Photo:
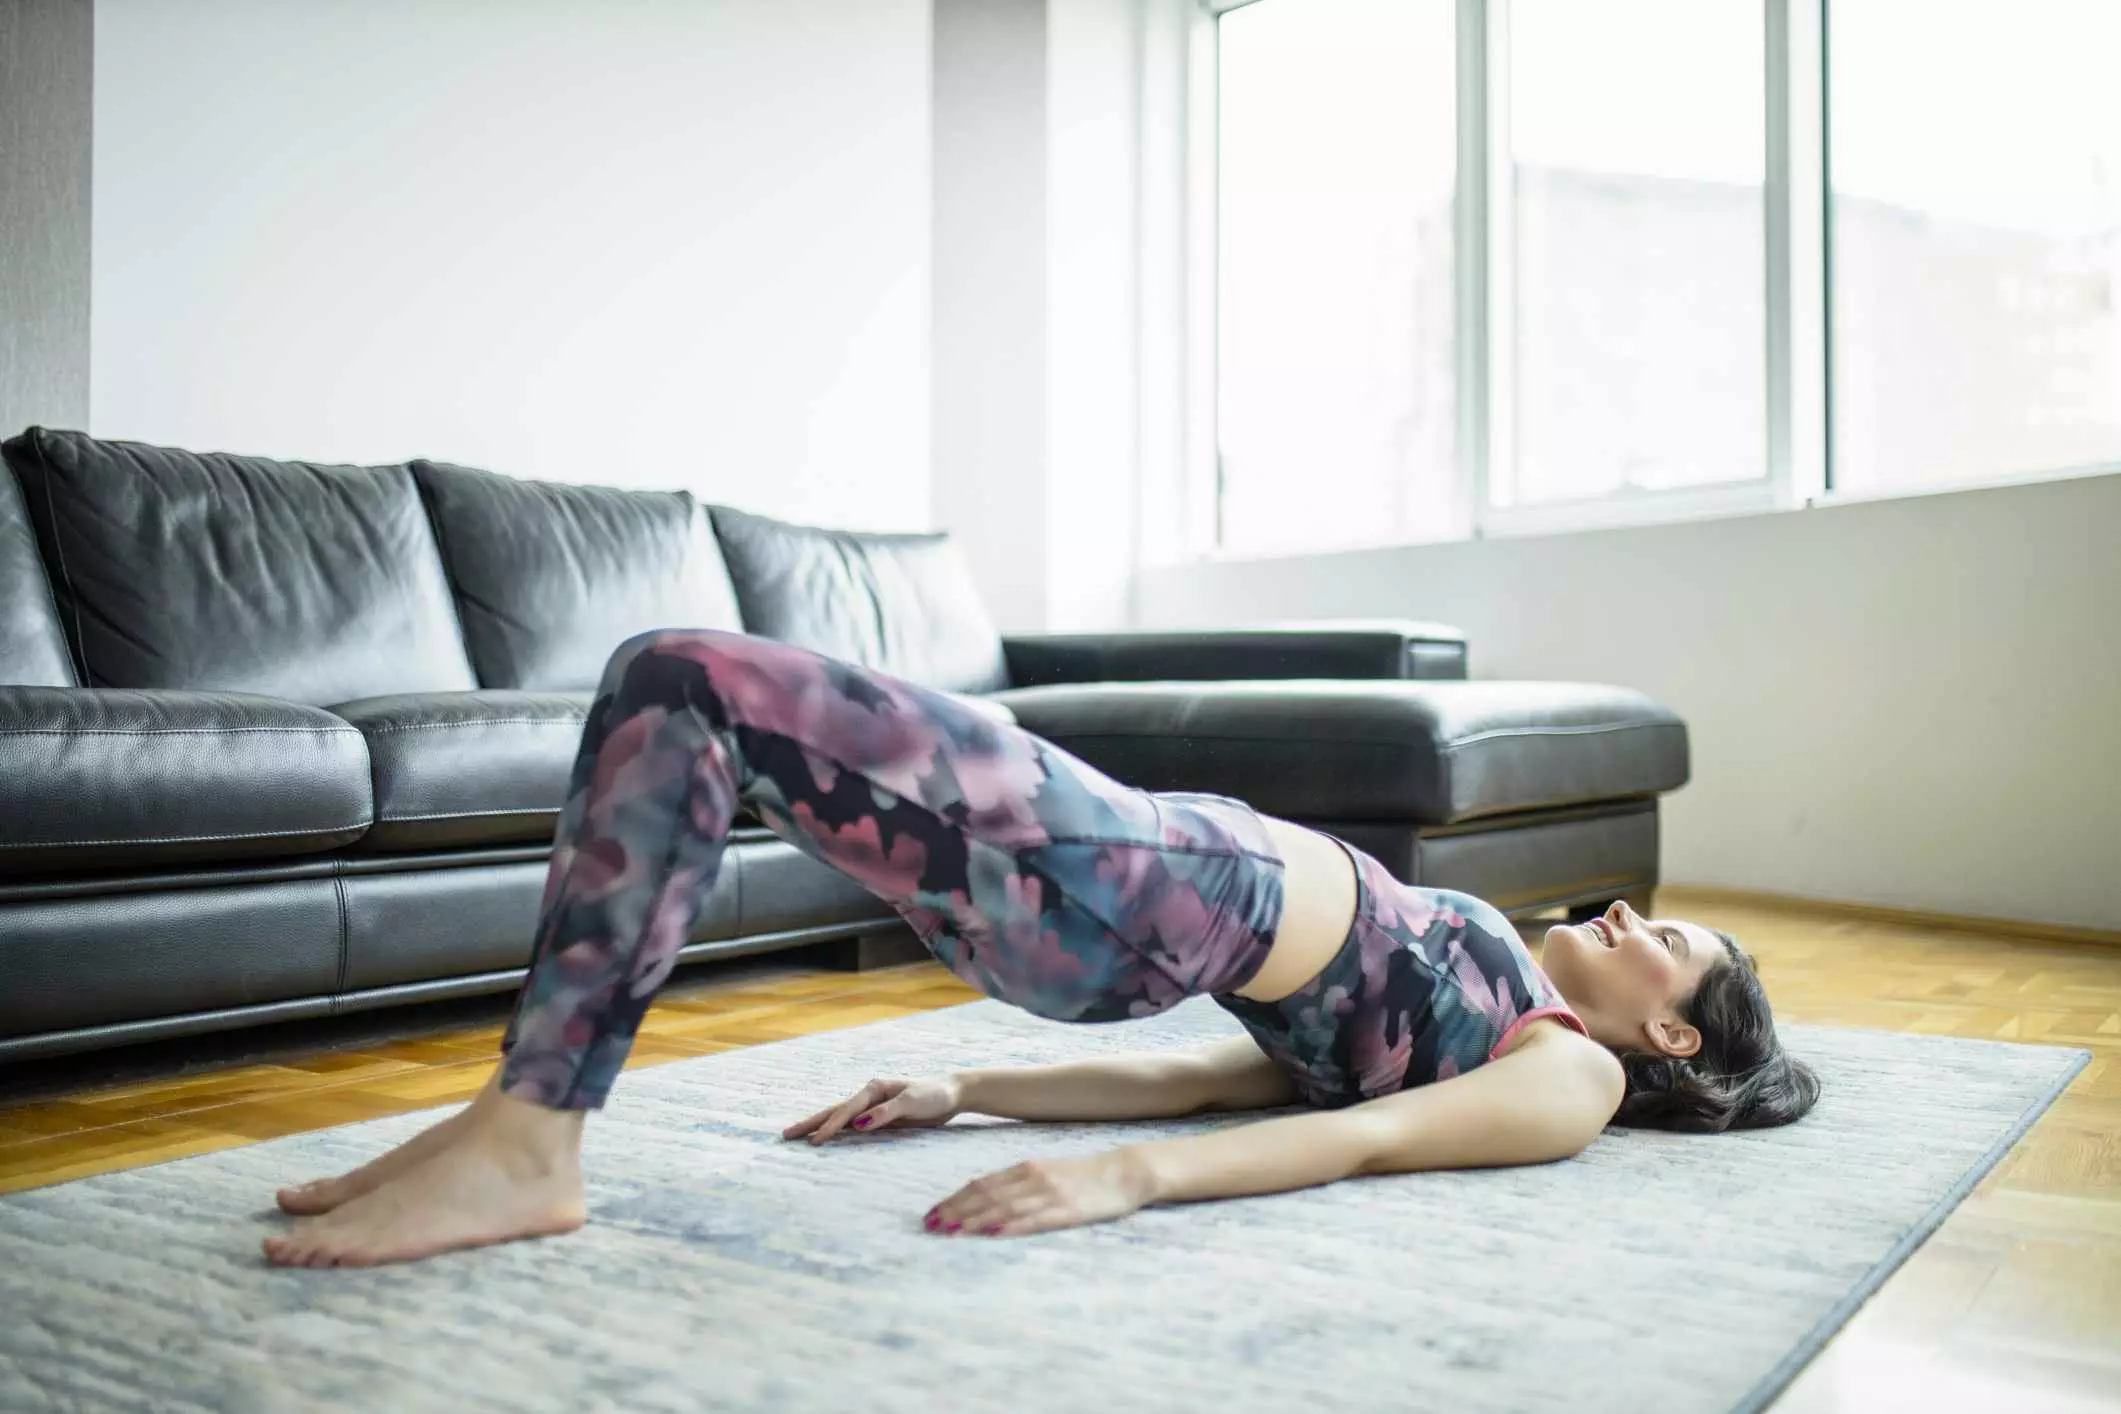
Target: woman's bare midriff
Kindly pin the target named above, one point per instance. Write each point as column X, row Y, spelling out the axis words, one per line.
column 1318, row 908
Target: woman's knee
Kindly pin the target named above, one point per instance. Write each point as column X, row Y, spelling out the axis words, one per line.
column 700, row 645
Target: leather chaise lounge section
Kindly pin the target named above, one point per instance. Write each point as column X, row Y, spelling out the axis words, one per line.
column 281, row 739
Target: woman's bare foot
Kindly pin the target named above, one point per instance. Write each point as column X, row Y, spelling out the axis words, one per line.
column 508, row 1170
column 321, row 1195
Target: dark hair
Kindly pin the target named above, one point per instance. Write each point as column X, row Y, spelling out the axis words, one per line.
column 1741, row 1078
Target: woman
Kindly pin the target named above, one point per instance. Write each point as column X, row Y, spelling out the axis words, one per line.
column 1410, row 1022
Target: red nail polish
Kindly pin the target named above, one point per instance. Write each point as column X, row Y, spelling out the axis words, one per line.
column 994, row 1231
column 953, row 1227
column 862, row 1123
column 933, row 1222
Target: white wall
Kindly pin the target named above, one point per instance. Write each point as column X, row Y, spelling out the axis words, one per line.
column 989, row 392
column 1093, row 135
column 1038, row 244
column 1913, row 703
column 657, row 242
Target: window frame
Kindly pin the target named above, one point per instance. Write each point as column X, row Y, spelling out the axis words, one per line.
column 1796, row 275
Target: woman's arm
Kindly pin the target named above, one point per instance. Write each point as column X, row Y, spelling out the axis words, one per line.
column 1231, row 1075
column 1547, row 1099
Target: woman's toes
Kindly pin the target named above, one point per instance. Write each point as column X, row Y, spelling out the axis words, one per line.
column 319, row 1195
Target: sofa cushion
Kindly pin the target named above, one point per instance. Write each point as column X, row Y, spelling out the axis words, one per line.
column 901, row 604
column 215, row 572
column 454, row 769
column 32, row 649
column 1430, row 752
column 106, row 780
column 550, row 578
column 88, row 969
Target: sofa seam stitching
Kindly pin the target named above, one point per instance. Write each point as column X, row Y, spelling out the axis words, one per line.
column 574, row 725
column 467, row 814
column 1315, row 743
column 1500, row 733
column 358, row 825
column 174, row 731
column 1308, row 744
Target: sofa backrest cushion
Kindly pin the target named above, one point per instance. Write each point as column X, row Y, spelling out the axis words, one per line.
column 217, row 572
column 550, row 578
column 32, row 648
column 902, row 604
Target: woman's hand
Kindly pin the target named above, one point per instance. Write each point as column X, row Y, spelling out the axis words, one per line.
column 1045, row 1195
column 886, row 1104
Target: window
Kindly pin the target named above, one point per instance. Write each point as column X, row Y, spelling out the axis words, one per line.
column 1975, row 156
column 1502, row 266
column 1335, row 392
column 1639, row 331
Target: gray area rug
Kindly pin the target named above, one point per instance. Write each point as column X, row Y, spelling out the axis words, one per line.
column 725, row 1270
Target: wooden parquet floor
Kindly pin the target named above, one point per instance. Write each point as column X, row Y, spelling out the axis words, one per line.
column 2014, row 1305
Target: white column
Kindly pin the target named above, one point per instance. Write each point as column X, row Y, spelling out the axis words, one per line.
column 989, row 382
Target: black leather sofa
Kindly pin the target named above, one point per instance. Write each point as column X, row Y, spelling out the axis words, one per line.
column 280, row 740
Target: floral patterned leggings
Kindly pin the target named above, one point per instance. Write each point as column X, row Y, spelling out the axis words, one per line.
column 1030, row 875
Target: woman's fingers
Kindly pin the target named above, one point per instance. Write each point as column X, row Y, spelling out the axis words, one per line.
column 1046, row 1217
column 948, row 1217
column 986, row 1207
column 1038, row 1196
column 877, row 1116
column 1004, row 1216
column 804, row 1126
column 837, row 1120
column 880, row 1104
column 812, row 1124
column 845, row 1113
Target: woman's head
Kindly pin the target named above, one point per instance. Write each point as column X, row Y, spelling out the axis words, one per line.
column 1683, row 1008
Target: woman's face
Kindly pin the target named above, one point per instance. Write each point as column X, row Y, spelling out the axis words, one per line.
column 1624, row 976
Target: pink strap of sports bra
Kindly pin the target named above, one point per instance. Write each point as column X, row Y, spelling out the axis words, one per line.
column 1559, row 1013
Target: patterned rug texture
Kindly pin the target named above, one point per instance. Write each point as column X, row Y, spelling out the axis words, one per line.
column 725, row 1270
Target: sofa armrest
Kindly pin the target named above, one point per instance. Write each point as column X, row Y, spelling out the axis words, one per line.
column 1351, row 650
column 1425, row 753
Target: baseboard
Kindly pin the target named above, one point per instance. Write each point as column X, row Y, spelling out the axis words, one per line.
column 1914, row 918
